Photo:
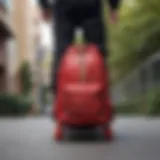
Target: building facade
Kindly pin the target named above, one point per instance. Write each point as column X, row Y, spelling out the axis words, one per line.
column 5, row 35
column 23, row 16
column 24, row 19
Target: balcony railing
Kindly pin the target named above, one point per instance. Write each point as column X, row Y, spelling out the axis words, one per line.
column 4, row 16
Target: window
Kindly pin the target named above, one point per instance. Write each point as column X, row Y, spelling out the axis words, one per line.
column 8, row 4
column 33, row 1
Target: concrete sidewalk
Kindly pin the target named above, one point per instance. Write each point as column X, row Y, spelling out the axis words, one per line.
column 137, row 138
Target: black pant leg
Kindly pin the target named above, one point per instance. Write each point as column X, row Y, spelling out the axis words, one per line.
column 94, row 29
column 63, row 32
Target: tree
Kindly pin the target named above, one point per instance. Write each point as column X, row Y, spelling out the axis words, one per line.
column 135, row 37
column 25, row 78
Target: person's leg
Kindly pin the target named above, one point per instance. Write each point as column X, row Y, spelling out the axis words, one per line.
column 63, row 32
column 94, row 29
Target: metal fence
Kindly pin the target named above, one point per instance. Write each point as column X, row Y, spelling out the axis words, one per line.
column 144, row 77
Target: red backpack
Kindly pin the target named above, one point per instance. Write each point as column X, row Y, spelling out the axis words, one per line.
column 82, row 85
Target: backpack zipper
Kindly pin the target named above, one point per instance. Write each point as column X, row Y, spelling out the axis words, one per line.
column 82, row 67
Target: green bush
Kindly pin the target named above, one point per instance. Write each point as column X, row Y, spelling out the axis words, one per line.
column 26, row 78
column 12, row 105
column 127, row 108
column 146, row 104
column 153, row 104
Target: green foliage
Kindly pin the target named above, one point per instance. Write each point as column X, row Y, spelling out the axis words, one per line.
column 135, row 37
column 154, row 102
column 127, row 108
column 26, row 78
column 13, row 105
column 147, row 104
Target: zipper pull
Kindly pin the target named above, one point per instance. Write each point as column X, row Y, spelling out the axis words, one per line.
column 79, row 36
column 79, row 39
column 81, row 50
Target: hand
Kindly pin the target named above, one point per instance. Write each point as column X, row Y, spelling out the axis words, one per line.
column 47, row 15
column 113, row 17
